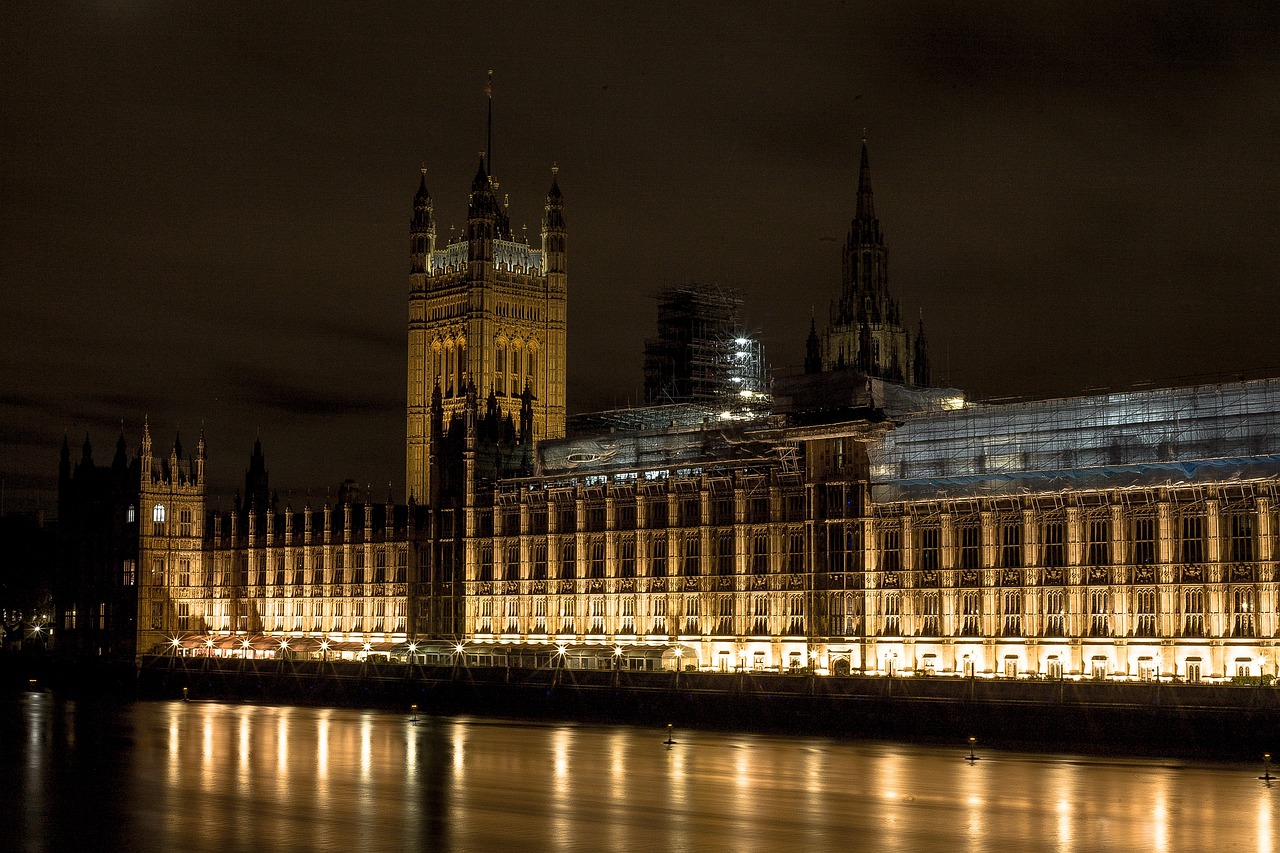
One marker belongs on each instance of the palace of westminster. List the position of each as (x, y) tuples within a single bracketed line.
[(851, 519)]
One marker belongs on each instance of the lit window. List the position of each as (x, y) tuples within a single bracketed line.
[(157, 514)]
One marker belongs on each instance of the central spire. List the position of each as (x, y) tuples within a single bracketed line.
[(866, 202)]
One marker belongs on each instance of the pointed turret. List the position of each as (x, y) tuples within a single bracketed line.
[(554, 231), (482, 221), (422, 227), (144, 452), (812, 349), (257, 494), (921, 374)]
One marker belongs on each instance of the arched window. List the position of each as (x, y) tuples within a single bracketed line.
[(157, 514)]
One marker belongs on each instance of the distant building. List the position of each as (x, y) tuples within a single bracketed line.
[(865, 331), (867, 523)]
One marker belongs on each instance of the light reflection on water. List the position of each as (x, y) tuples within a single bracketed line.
[(207, 776)]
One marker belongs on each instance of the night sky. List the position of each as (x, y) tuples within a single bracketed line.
[(204, 206)]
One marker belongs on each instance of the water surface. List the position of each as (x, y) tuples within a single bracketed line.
[(202, 776)]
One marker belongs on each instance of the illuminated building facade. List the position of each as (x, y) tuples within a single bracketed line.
[(487, 311), (867, 523)]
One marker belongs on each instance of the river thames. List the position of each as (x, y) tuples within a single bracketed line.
[(202, 776)]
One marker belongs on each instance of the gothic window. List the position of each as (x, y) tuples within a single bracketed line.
[(971, 614), (567, 616), (157, 520), (595, 566), (760, 552), (358, 571), (1011, 545), (380, 566), (930, 548), (760, 615), (628, 616), (184, 572), (1099, 542), (1144, 541), (970, 546), (660, 615), (1055, 613), (402, 566), (1240, 528), (929, 612), (1145, 612), (724, 554), (1193, 612), (692, 610), (1099, 613), (540, 616), (658, 556), (627, 557), (1242, 612), (1012, 601), (511, 567), (279, 574), (1191, 539), (690, 512), (795, 614), (724, 623), (540, 561), (890, 550), (692, 555), (486, 563), (795, 550), (1053, 549), (500, 369), (891, 624), (184, 523), (568, 559), (339, 558)]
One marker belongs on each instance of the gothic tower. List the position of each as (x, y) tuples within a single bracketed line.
[(486, 311), (865, 331), (170, 542)]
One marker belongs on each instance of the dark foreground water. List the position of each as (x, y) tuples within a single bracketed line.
[(221, 777)]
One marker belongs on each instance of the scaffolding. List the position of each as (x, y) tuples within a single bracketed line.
[(1210, 433), (701, 354)]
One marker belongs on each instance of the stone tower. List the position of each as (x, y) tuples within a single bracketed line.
[(171, 550), (865, 331), (487, 310)]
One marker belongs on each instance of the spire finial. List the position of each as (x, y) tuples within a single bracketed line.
[(555, 169)]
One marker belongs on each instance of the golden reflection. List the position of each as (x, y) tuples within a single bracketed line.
[(220, 777), (411, 752), (1160, 824), (366, 747), (243, 778), (282, 743), (322, 746), (459, 749), (1266, 835), (1064, 825), (560, 752)]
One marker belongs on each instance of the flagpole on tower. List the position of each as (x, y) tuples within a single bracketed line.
[(488, 151)]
